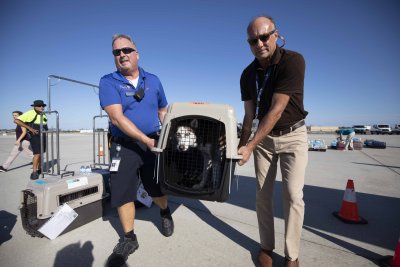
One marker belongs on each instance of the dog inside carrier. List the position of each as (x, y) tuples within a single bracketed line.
[(194, 162)]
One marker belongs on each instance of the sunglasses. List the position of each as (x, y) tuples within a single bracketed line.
[(40, 106), (125, 50), (263, 38)]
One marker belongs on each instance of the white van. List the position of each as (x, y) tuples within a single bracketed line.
[(396, 129), (381, 129), (362, 129)]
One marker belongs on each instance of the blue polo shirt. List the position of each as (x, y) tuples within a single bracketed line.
[(116, 89)]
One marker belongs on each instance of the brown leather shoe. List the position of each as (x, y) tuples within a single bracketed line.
[(289, 263), (265, 258)]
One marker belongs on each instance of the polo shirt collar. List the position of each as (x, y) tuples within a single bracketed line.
[(276, 57), (118, 76)]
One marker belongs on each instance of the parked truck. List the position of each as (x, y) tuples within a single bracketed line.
[(361, 129), (396, 129), (381, 129)]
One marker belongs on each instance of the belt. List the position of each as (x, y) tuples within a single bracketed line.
[(295, 126), (126, 139)]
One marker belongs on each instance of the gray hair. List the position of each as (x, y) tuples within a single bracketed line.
[(117, 36)]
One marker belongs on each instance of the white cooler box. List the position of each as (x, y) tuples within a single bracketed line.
[(40, 200)]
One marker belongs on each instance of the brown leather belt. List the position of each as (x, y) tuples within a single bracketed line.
[(295, 126)]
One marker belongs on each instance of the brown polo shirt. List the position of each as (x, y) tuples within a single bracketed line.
[(286, 77)]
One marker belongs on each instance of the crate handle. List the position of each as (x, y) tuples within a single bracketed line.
[(156, 150), (237, 157), (67, 174)]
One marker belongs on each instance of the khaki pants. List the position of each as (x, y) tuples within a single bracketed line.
[(292, 152), (349, 141), (24, 146)]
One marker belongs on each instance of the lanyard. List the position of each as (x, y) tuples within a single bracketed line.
[(261, 89)]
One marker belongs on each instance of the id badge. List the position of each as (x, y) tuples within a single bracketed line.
[(115, 164), (254, 125)]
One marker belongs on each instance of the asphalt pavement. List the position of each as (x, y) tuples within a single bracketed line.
[(222, 234)]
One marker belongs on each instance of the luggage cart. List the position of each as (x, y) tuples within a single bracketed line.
[(197, 151)]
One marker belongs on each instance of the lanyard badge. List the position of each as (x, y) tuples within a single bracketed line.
[(260, 90), (254, 125), (116, 160)]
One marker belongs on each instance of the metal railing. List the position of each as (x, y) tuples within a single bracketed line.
[(102, 140), (48, 165), (52, 158)]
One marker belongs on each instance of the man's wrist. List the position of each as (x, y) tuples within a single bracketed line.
[(251, 145)]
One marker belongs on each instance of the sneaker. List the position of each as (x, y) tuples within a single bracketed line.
[(2, 169), (34, 176), (121, 252), (167, 225)]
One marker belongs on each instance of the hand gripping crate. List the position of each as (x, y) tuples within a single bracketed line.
[(41, 199), (197, 151)]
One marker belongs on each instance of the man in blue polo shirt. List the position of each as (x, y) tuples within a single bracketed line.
[(136, 105)]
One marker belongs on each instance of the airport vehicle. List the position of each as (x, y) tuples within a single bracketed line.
[(396, 129), (381, 129), (362, 129)]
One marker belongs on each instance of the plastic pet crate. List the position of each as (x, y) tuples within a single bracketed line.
[(197, 151), (41, 199)]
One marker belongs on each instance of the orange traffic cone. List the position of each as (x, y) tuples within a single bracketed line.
[(101, 151), (389, 261), (349, 212)]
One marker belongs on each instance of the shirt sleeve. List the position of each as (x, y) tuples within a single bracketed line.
[(108, 93), (26, 117), (245, 85), (291, 76), (162, 99)]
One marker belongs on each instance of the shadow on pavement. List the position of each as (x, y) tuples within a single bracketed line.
[(365, 253), (380, 211), (7, 223), (75, 255), (152, 215)]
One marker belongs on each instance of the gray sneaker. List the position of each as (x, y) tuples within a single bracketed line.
[(167, 225), (121, 252)]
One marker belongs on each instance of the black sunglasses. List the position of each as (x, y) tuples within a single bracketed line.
[(40, 106), (125, 50), (262, 38)]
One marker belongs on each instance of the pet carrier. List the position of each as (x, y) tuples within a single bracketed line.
[(84, 193), (198, 151)]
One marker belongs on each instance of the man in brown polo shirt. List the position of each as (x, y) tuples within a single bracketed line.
[(272, 91)]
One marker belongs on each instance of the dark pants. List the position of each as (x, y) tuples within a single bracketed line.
[(137, 161)]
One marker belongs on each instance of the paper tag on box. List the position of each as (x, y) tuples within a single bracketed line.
[(64, 216), (143, 196)]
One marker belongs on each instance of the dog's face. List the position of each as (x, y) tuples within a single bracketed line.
[(186, 138)]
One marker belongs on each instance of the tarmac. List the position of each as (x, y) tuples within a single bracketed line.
[(222, 234)]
